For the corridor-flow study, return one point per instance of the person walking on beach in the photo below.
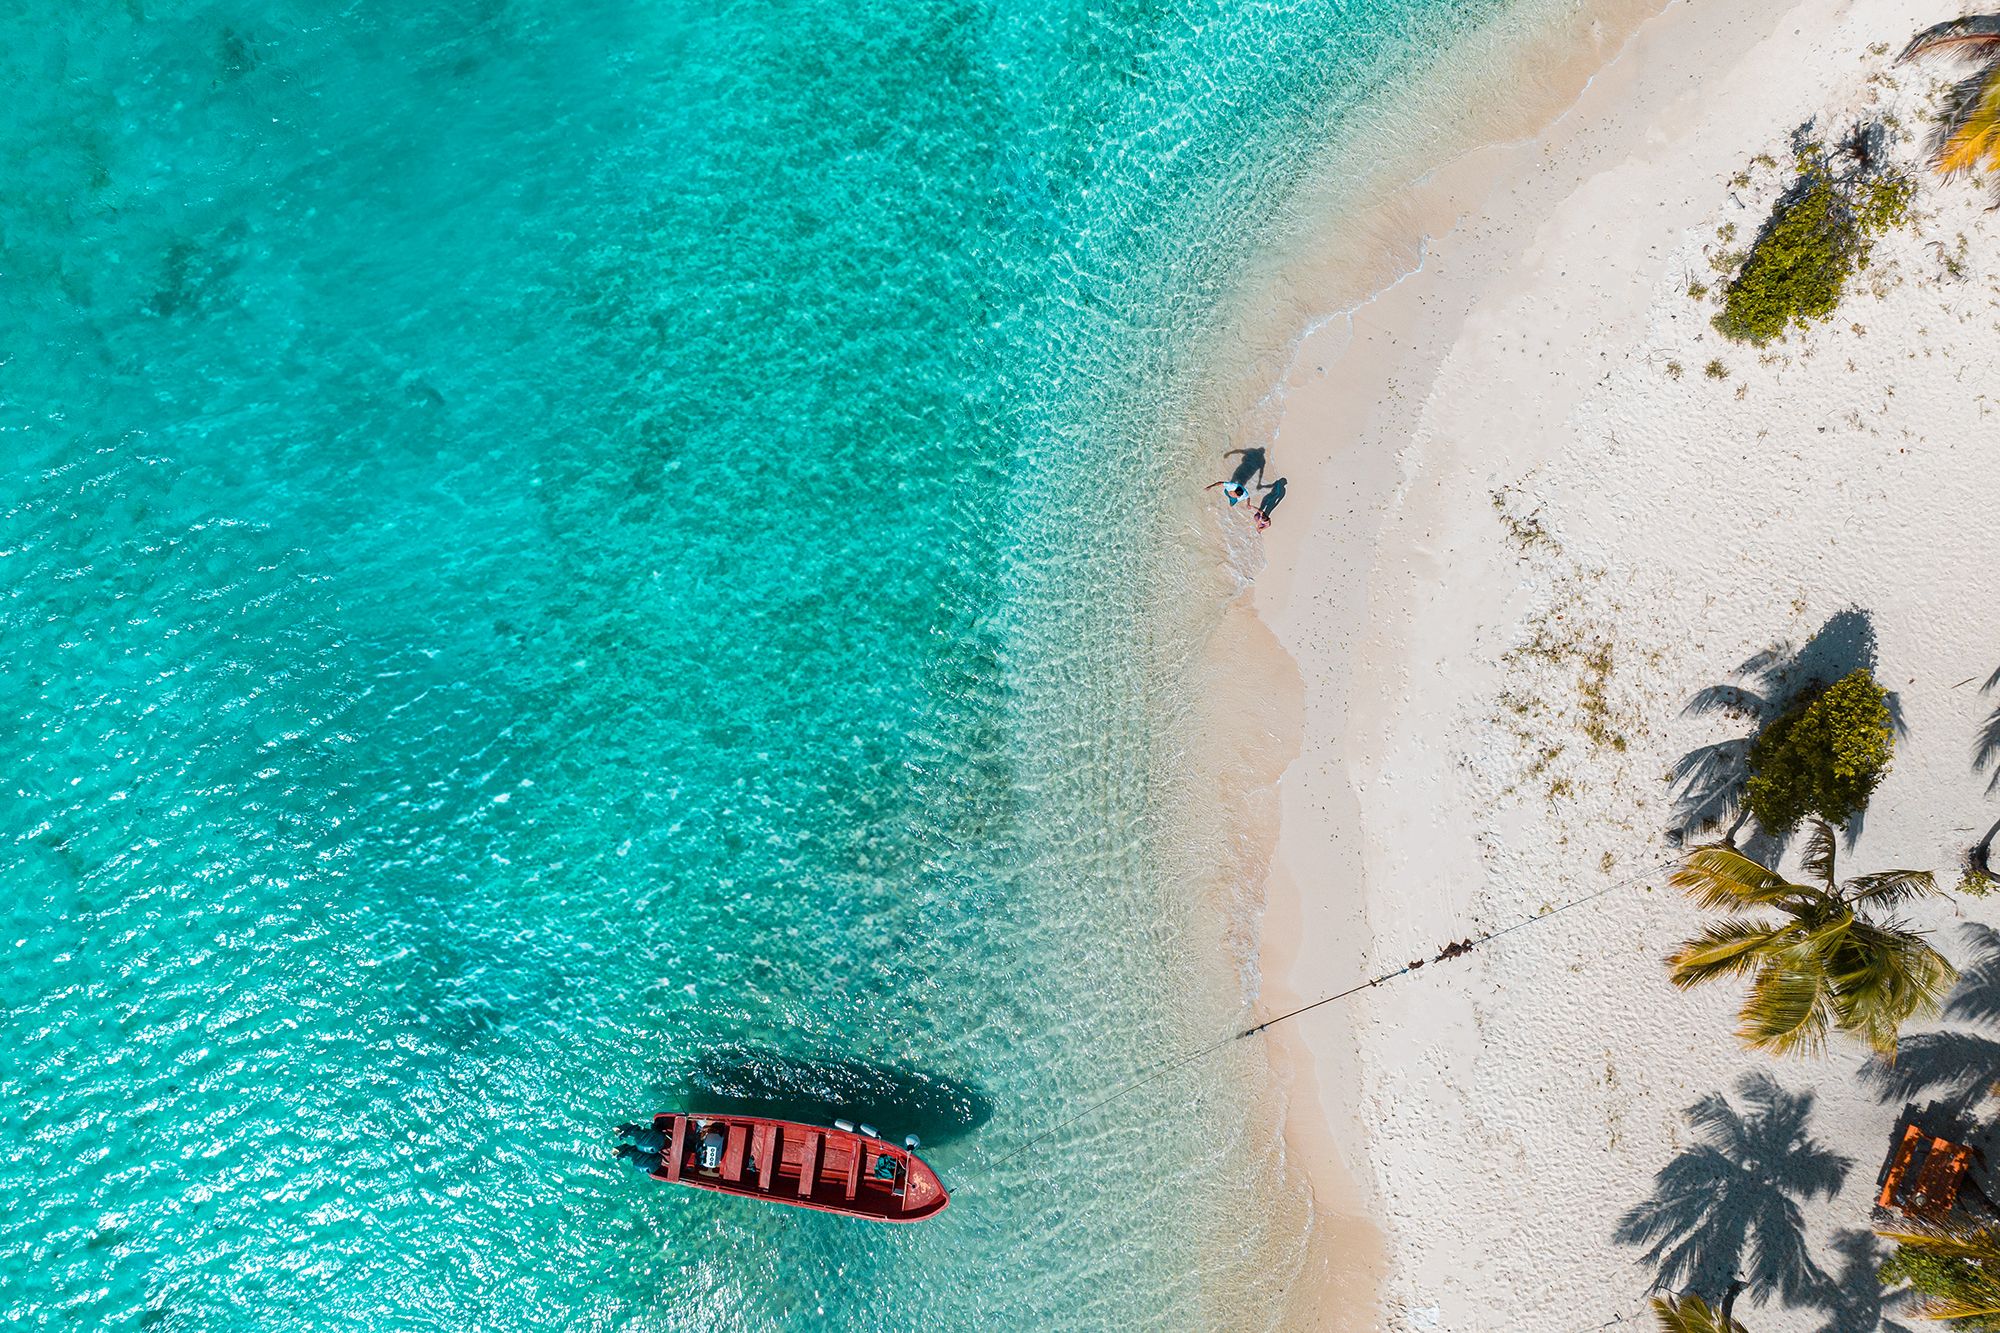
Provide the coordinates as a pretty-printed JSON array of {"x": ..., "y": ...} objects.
[
  {"x": 1237, "y": 484},
  {"x": 1274, "y": 494}
]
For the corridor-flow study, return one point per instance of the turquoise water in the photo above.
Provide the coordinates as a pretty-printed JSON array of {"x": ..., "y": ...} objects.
[{"x": 561, "y": 559}]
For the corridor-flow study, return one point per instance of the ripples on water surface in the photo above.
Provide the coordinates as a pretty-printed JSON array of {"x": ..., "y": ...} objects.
[{"x": 555, "y": 557}]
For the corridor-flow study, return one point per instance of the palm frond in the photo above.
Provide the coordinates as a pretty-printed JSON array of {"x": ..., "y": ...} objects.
[
  {"x": 1819, "y": 854},
  {"x": 1969, "y": 131},
  {"x": 1725, "y": 949},
  {"x": 1986, "y": 748},
  {"x": 1979, "y": 1245},
  {"x": 1690, "y": 1314},
  {"x": 1975, "y": 1256},
  {"x": 1786, "y": 1011},
  {"x": 1722, "y": 878},
  {"x": 1976, "y": 35},
  {"x": 1733, "y": 699},
  {"x": 1883, "y": 976},
  {"x": 1890, "y": 887}
]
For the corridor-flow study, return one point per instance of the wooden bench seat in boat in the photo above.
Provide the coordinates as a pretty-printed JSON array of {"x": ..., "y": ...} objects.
[
  {"x": 809, "y": 1164},
  {"x": 677, "y": 1148},
  {"x": 732, "y": 1155},
  {"x": 856, "y": 1152},
  {"x": 765, "y": 1154}
]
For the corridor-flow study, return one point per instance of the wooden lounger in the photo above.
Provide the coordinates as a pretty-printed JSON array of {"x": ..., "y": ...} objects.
[
  {"x": 1900, "y": 1165},
  {"x": 1937, "y": 1183},
  {"x": 809, "y": 1165}
]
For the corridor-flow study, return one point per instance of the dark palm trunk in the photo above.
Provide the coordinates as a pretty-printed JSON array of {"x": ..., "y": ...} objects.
[
  {"x": 1984, "y": 849},
  {"x": 1728, "y": 1304}
]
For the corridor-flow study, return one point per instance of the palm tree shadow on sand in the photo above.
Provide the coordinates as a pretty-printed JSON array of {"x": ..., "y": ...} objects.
[
  {"x": 1728, "y": 1206},
  {"x": 1986, "y": 759},
  {"x": 1957, "y": 1067},
  {"x": 1856, "y": 1301},
  {"x": 1707, "y": 782},
  {"x": 749, "y": 1080}
]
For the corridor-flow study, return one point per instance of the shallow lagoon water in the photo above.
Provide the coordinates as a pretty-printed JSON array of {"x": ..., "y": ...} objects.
[{"x": 560, "y": 557}]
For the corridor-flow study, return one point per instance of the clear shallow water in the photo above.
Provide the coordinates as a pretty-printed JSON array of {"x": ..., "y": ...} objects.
[{"x": 557, "y": 559}]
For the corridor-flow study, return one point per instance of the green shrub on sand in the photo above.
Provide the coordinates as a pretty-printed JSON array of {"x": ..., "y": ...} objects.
[
  {"x": 1819, "y": 237},
  {"x": 1824, "y": 757}
]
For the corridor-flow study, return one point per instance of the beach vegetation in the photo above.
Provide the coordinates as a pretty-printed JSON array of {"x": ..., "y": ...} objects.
[
  {"x": 1827, "y": 963},
  {"x": 1952, "y": 1272},
  {"x": 1816, "y": 239},
  {"x": 1674, "y": 370},
  {"x": 1715, "y": 370},
  {"x": 1691, "y": 1314},
  {"x": 1592, "y": 688},
  {"x": 1823, "y": 756},
  {"x": 1697, "y": 290},
  {"x": 1967, "y": 136},
  {"x": 1974, "y": 882}
]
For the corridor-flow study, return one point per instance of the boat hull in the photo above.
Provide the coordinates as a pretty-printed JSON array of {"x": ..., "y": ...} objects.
[{"x": 798, "y": 1165}]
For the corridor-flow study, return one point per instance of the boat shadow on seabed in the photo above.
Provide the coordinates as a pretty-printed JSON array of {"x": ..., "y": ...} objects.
[{"x": 752, "y": 1081}]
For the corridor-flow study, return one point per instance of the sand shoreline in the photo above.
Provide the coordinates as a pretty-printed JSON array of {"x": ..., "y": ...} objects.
[{"x": 1403, "y": 422}]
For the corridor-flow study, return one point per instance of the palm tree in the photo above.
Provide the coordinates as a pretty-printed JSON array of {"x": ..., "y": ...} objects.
[
  {"x": 1956, "y": 1273},
  {"x": 1691, "y": 1314},
  {"x": 1823, "y": 964},
  {"x": 1969, "y": 132}
]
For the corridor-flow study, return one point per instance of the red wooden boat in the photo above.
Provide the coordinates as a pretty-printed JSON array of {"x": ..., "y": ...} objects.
[{"x": 806, "y": 1166}]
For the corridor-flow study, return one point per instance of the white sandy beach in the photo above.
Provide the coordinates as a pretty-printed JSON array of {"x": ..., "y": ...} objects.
[{"x": 1524, "y": 529}]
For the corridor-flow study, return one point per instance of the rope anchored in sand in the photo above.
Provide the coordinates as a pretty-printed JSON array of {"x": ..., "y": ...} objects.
[{"x": 1456, "y": 949}]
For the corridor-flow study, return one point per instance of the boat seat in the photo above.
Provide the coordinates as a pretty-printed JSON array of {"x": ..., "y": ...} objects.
[
  {"x": 857, "y": 1152},
  {"x": 809, "y": 1165},
  {"x": 676, "y": 1148},
  {"x": 766, "y": 1154},
  {"x": 733, "y": 1153}
]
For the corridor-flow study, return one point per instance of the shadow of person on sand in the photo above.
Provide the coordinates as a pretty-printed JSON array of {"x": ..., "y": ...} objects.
[
  {"x": 1250, "y": 468},
  {"x": 1274, "y": 495},
  {"x": 1728, "y": 1206},
  {"x": 1707, "y": 782}
]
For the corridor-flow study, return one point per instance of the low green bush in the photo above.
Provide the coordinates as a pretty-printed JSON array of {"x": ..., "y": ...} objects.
[
  {"x": 1797, "y": 269},
  {"x": 1944, "y": 1278},
  {"x": 1824, "y": 757}
]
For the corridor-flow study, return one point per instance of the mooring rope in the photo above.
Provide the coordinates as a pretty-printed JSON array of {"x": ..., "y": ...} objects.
[{"x": 1458, "y": 949}]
